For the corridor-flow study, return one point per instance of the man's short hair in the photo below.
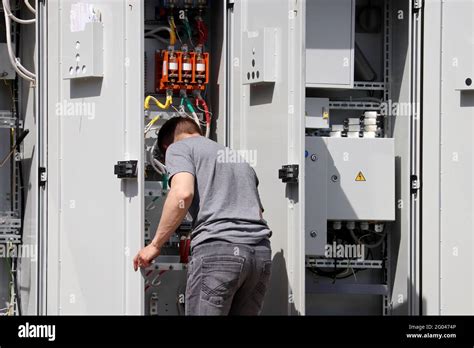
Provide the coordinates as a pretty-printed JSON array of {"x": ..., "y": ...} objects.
[{"x": 174, "y": 127}]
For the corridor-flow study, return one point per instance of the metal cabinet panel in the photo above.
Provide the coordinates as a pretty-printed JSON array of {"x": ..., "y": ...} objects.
[
  {"x": 95, "y": 219},
  {"x": 347, "y": 180},
  {"x": 330, "y": 43},
  {"x": 316, "y": 207},
  {"x": 268, "y": 119},
  {"x": 361, "y": 179},
  {"x": 456, "y": 172}
]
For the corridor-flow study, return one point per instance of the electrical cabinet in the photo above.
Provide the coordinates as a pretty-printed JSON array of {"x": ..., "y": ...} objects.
[
  {"x": 357, "y": 169},
  {"x": 251, "y": 93},
  {"x": 347, "y": 180},
  {"x": 329, "y": 89}
]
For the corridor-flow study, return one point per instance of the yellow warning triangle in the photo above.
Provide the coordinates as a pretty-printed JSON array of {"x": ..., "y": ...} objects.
[{"x": 360, "y": 177}]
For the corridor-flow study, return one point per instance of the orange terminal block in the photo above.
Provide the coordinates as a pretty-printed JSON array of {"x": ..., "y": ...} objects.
[{"x": 166, "y": 77}]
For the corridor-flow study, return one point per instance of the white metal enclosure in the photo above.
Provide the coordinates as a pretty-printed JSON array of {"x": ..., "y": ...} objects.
[
  {"x": 448, "y": 100},
  {"x": 270, "y": 60},
  {"x": 266, "y": 118},
  {"x": 94, "y": 219}
]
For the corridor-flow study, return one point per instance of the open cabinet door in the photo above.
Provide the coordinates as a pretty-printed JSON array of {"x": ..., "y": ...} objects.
[
  {"x": 266, "y": 120},
  {"x": 94, "y": 96},
  {"x": 448, "y": 161}
]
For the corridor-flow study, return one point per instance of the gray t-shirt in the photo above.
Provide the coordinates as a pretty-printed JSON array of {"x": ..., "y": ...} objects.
[{"x": 226, "y": 204}]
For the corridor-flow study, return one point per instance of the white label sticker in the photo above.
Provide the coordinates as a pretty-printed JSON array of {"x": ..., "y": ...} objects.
[
  {"x": 187, "y": 66},
  {"x": 173, "y": 66},
  {"x": 200, "y": 67},
  {"x": 80, "y": 15}
]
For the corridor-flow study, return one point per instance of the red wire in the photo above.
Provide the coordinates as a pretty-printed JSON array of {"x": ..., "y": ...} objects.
[
  {"x": 182, "y": 246},
  {"x": 203, "y": 32},
  {"x": 187, "y": 249},
  {"x": 205, "y": 108}
]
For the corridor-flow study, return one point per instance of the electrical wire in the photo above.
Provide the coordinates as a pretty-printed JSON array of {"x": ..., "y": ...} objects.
[
  {"x": 8, "y": 12},
  {"x": 159, "y": 167},
  {"x": 15, "y": 146},
  {"x": 207, "y": 113},
  {"x": 151, "y": 34},
  {"x": 169, "y": 101},
  {"x": 191, "y": 110},
  {"x": 12, "y": 293},
  {"x": 151, "y": 123},
  {"x": 358, "y": 240},
  {"x": 31, "y": 8},
  {"x": 173, "y": 30},
  {"x": 19, "y": 68},
  {"x": 203, "y": 31},
  {"x": 189, "y": 31}
]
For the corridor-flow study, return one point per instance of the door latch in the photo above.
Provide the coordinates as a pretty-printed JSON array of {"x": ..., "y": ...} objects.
[
  {"x": 417, "y": 5},
  {"x": 126, "y": 169},
  {"x": 415, "y": 184},
  {"x": 42, "y": 176},
  {"x": 289, "y": 173}
]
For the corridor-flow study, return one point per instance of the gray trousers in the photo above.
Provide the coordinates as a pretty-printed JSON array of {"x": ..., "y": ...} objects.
[{"x": 228, "y": 279}]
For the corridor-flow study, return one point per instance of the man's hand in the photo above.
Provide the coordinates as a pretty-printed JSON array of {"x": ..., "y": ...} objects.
[{"x": 145, "y": 256}]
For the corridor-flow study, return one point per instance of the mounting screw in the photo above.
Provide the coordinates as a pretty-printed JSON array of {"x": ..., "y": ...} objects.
[
  {"x": 334, "y": 178},
  {"x": 314, "y": 158},
  {"x": 313, "y": 234}
]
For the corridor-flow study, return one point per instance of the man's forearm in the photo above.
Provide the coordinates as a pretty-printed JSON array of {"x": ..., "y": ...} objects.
[{"x": 174, "y": 210}]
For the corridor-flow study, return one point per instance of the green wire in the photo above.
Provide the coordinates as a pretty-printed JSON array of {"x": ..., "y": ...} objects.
[
  {"x": 189, "y": 105},
  {"x": 188, "y": 29}
]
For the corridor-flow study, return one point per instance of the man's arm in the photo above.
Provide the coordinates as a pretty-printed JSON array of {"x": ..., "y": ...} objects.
[{"x": 175, "y": 208}]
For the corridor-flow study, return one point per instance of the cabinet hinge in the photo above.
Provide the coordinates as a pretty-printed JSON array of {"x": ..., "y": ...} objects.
[{"x": 289, "y": 173}]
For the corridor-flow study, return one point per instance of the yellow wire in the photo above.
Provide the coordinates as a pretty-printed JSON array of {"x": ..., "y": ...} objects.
[
  {"x": 169, "y": 101},
  {"x": 173, "y": 31},
  {"x": 151, "y": 123}
]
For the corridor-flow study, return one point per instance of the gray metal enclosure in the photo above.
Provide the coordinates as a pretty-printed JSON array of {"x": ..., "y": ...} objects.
[
  {"x": 448, "y": 101},
  {"x": 95, "y": 221},
  {"x": 371, "y": 100}
]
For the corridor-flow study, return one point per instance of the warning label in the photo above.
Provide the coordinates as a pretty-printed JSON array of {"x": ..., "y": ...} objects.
[{"x": 360, "y": 177}]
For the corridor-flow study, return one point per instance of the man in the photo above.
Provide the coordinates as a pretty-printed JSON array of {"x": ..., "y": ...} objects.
[{"x": 230, "y": 247}]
